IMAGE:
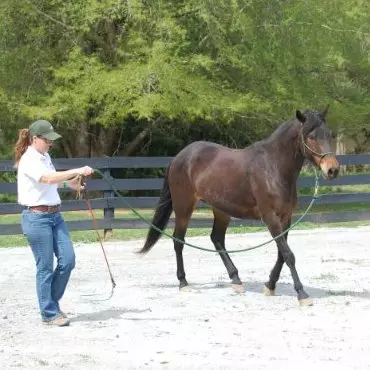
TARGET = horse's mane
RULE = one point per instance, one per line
(285, 129)
(313, 120)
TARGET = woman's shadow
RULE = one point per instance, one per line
(106, 314)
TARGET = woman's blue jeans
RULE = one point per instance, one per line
(47, 235)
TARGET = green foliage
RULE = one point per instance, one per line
(225, 63)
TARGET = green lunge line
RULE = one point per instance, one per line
(314, 197)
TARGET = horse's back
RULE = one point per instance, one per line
(206, 162)
(199, 155)
(202, 147)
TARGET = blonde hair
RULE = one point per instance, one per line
(24, 140)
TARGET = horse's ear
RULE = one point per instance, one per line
(324, 112)
(300, 116)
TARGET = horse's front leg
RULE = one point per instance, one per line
(270, 285)
(275, 226)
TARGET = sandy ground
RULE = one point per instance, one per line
(149, 324)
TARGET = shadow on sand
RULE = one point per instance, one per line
(106, 314)
(282, 289)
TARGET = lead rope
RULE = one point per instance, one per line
(80, 194)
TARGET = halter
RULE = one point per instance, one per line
(321, 155)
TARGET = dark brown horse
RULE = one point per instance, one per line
(258, 182)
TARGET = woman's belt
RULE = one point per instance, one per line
(41, 208)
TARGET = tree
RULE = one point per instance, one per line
(93, 68)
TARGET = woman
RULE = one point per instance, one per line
(42, 222)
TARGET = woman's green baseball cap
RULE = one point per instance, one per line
(43, 128)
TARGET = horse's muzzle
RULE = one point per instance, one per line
(330, 167)
(332, 173)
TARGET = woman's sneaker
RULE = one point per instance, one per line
(58, 321)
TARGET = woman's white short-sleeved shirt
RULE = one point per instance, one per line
(31, 192)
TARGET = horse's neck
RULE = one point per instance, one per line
(289, 157)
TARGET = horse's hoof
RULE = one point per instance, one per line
(305, 302)
(268, 292)
(185, 289)
(238, 288)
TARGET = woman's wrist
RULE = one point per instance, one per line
(64, 185)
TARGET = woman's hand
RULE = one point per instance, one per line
(85, 171)
(76, 184)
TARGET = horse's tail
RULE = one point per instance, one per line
(161, 216)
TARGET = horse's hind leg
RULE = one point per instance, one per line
(181, 224)
(275, 226)
(220, 224)
(269, 288)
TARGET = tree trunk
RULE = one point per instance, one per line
(134, 146)
(77, 142)
(90, 141)
(103, 140)
(340, 147)
(96, 141)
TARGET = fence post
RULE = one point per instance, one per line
(108, 211)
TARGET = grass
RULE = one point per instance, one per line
(119, 213)
(202, 213)
(361, 188)
(337, 207)
(90, 236)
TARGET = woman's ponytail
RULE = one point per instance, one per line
(21, 145)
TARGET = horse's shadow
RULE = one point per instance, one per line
(287, 289)
(282, 289)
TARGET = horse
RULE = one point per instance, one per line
(256, 182)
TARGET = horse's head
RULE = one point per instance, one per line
(315, 140)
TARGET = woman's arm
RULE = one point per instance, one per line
(60, 176)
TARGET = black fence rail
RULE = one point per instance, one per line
(109, 202)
